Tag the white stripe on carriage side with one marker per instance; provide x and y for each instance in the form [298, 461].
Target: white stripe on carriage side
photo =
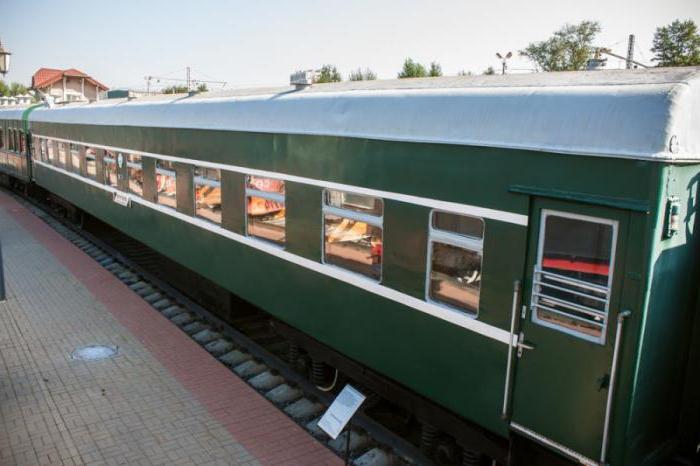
[454, 207]
[454, 317]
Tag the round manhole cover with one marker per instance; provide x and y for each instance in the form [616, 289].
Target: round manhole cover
[94, 352]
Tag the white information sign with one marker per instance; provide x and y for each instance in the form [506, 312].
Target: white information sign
[341, 411]
[122, 199]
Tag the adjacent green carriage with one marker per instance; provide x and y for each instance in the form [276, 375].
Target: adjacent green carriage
[520, 250]
[14, 145]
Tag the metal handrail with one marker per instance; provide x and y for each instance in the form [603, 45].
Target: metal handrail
[564, 314]
[204, 181]
[611, 387]
[269, 195]
[573, 281]
[509, 365]
[572, 306]
[567, 290]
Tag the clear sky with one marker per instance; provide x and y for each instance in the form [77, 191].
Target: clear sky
[259, 42]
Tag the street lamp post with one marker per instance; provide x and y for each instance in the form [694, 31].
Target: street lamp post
[4, 60]
[504, 66]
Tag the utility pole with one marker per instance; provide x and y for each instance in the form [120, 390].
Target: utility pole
[504, 59]
[630, 52]
[188, 79]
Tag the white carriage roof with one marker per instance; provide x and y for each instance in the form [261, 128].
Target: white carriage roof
[647, 114]
[12, 113]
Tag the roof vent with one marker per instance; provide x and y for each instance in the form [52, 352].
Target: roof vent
[302, 79]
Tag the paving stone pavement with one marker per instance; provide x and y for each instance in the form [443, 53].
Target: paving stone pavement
[130, 409]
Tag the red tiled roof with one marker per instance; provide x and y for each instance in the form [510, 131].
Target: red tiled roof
[47, 76]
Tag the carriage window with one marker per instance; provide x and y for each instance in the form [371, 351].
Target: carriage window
[2, 138]
[166, 183]
[110, 169]
[62, 154]
[265, 209]
[355, 202]
[135, 169]
[22, 143]
[91, 162]
[573, 275]
[455, 246]
[75, 157]
[43, 150]
[34, 146]
[51, 151]
[352, 232]
[207, 193]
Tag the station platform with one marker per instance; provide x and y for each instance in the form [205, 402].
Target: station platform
[161, 400]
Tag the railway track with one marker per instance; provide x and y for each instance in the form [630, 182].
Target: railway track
[249, 347]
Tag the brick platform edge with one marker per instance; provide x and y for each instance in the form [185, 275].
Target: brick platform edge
[264, 431]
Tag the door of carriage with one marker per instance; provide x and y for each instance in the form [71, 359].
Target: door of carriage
[568, 327]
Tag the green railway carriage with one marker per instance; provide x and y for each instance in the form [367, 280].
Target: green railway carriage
[14, 145]
[519, 250]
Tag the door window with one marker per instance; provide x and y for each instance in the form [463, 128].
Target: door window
[573, 274]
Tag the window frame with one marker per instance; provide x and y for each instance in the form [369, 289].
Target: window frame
[270, 196]
[66, 154]
[74, 168]
[51, 152]
[545, 213]
[133, 166]
[22, 143]
[376, 221]
[171, 172]
[42, 152]
[107, 159]
[213, 183]
[87, 174]
[468, 243]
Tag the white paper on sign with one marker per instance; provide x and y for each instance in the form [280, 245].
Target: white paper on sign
[341, 411]
[122, 199]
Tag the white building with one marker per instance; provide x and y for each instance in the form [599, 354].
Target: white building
[67, 85]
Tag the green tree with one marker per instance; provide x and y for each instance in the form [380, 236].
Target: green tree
[489, 71]
[412, 69]
[17, 89]
[12, 89]
[175, 89]
[677, 44]
[435, 70]
[328, 74]
[360, 75]
[567, 50]
[202, 87]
